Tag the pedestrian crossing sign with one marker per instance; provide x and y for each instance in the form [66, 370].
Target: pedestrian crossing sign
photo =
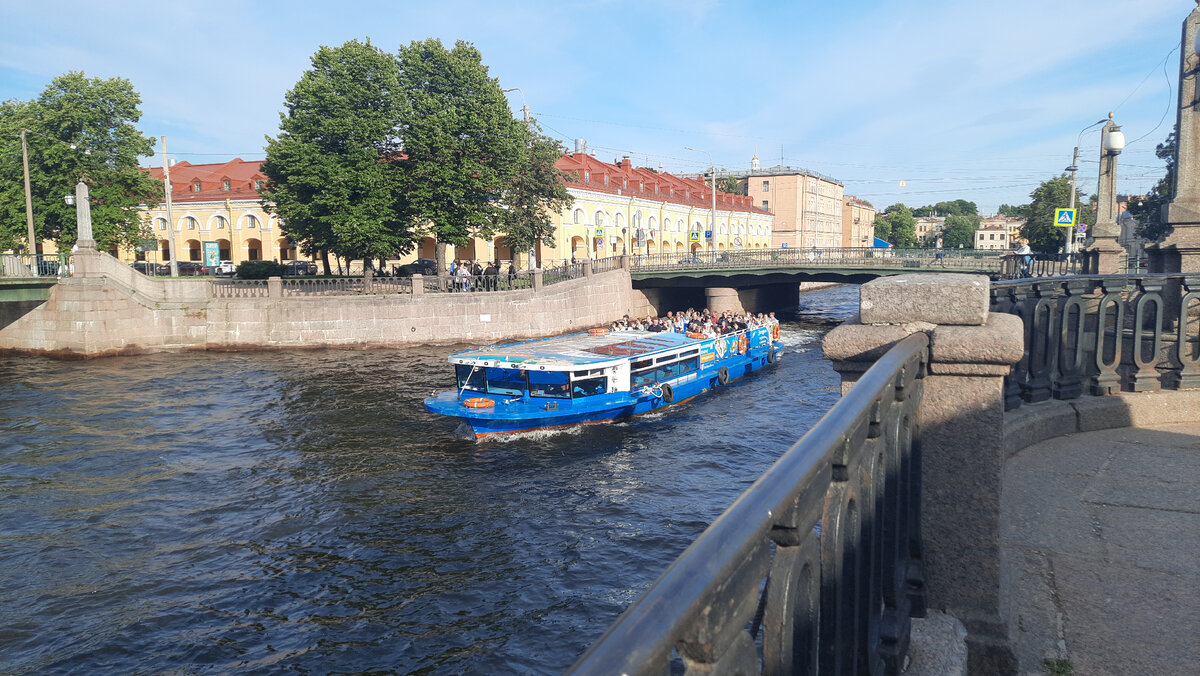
[694, 236]
[1064, 217]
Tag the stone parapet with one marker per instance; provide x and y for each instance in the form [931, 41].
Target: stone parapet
[962, 439]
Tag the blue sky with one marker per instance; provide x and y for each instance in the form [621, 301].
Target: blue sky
[958, 100]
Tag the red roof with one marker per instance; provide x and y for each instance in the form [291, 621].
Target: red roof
[212, 177]
[625, 179]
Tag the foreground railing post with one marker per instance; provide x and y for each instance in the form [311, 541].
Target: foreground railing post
[961, 422]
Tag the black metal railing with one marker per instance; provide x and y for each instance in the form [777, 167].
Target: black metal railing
[1020, 266]
[1100, 335]
[41, 265]
[816, 568]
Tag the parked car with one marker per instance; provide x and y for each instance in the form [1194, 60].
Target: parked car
[191, 268]
[151, 269]
[224, 268]
[421, 266]
[300, 268]
[691, 260]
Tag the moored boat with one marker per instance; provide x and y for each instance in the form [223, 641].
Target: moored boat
[595, 376]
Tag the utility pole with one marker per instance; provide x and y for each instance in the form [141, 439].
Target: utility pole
[170, 219]
[528, 123]
[1074, 168]
[32, 237]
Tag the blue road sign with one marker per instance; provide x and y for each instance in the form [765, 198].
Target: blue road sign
[1064, 217]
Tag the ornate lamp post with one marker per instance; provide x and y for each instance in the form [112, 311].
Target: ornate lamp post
[1104, 250]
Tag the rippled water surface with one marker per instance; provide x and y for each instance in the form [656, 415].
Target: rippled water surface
[300, 511]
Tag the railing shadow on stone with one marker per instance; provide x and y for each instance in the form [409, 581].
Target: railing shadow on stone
[1099, 335]
[816, 568]
[960, 260]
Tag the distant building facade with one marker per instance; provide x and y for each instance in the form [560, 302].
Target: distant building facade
[807, 206]
[216, 203]
[858, 222]
[993, 236]
[929, 228]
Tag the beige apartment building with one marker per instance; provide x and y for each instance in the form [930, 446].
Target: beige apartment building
[858, 222]
[807, 205]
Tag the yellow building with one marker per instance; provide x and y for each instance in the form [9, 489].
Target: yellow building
[858, 222]
[218, 204]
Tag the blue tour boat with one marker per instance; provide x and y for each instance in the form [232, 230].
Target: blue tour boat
[594, 376]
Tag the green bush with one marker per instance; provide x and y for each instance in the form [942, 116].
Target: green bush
[260, 270]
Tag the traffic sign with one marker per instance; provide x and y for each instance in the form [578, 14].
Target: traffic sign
[1064, 217]
[599, 232]
[693, 236]
[1081, 228]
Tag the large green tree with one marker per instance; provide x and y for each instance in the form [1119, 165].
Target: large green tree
[1039, 228]
[537, 189]
[897, 225]
[462, 146]
[959, 231]
[333, 175]
[1148, 210]
[78, 129]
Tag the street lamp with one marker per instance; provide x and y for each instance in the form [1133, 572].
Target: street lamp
[712, 167]
[1074, 168]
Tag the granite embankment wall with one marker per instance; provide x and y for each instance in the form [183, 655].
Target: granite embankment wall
[108, 309]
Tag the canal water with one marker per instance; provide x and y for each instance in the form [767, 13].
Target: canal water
[299, 511]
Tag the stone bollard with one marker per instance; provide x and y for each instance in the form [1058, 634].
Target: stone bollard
[368, 281]
[537, 280]
[275, 287]
[587, 267]
[418, 284]
[961, 432]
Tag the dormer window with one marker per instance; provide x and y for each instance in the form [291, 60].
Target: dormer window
[259, 184]
[225, 186]
[196, 186]
[587, 176]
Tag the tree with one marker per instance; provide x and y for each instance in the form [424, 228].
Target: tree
[537, 189]
[461, 143]
[1039, 228]
[730, 184]
[897, 225]
[954, 208]
[1148, 211]
[79, 129]
[1011, 211]
[333, 175]
[959, 231]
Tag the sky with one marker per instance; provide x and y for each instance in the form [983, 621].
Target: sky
[915, 102]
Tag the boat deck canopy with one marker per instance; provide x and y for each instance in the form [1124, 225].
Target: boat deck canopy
[576, 349]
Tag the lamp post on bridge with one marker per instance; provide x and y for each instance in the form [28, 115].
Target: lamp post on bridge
[1070, 245]
[1104, 250]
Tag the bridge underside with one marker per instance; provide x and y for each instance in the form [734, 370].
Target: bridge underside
[20, 298]
[752, 292]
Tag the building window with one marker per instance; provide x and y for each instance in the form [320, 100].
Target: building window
[251, 222]
[220, 222]
[196, 186]
[191, 223]
[162, 224]
[259, 184]
[991, 235]
[578, 217]
[766, 186]
[225, 186]
[600, 218]
[766, 204]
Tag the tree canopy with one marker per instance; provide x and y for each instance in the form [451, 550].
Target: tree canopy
[897, 225]
[952, 208]
[536, 190]
[1039, 228]
[959, 231]
[79, 129]
[332, 175]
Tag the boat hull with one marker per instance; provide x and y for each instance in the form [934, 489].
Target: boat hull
[487, 414]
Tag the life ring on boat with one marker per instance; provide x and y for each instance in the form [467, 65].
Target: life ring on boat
[742, 344]
[479, 402]
[723, 375]
[597, 331]
[775, 332]
[668, 394]
[693, 334]
[771, 355]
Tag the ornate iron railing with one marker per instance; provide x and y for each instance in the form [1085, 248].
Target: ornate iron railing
[606, 264]
[1102, 334]
[1020, 266]
[816, 568]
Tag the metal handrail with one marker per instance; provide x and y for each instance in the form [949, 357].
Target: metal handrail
[772, 567]
[40, 265]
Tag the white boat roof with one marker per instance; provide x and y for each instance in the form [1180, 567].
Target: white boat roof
[576, 349]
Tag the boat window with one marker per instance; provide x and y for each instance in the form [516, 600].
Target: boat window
[642, 376]
[588, 387]
[505, 381]
[470, 378]
[553, 384]
[676, 369]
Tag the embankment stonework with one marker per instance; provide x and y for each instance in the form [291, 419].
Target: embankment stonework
[91, 316]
